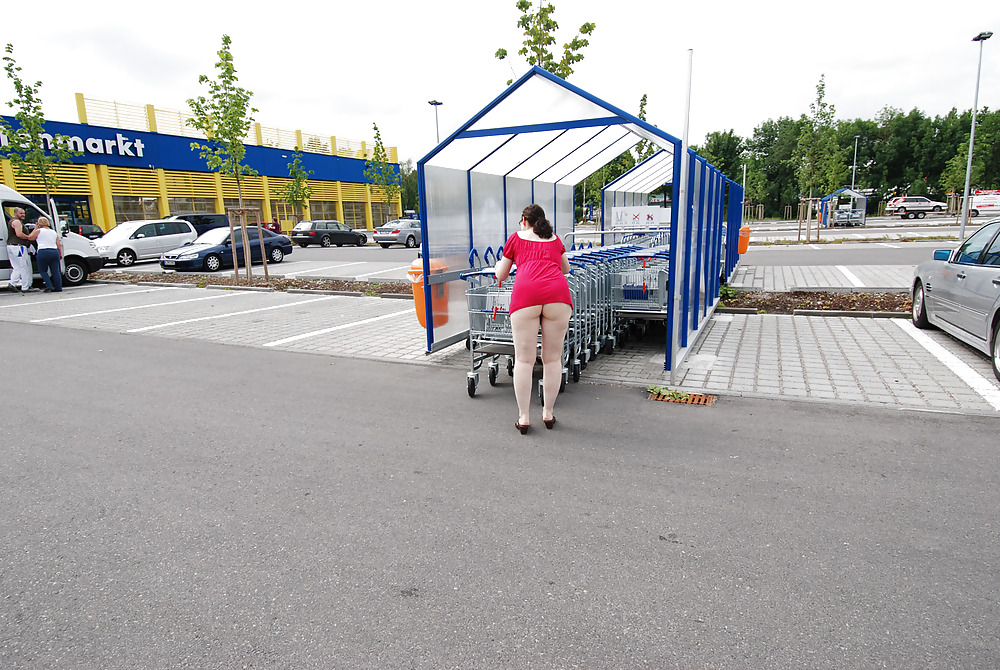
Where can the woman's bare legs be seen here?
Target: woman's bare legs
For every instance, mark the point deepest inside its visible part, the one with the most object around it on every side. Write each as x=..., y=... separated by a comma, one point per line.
x=555, y=322
x=524, y=328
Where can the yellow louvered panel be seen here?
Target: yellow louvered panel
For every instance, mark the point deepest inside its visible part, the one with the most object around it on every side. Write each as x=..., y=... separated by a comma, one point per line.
x=351, y=149
x=72, y=178
x=253, y=187
x=126, y=181
x=315, y=144
x=353, y=192
x=189, y=184
x=323, y=190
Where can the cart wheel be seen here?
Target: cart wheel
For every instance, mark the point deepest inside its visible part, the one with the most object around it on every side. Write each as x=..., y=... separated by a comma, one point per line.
x=510, y=366
x=472, y=387
x=609, y=345
x=562, y=381
x=541, y=393
x=493, y=375
x=576, y=371
x=583, y=361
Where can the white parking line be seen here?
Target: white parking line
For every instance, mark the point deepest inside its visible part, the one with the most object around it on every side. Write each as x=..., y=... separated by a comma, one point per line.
x=127, y=309
x=303, y=336
x=886, y=244
x=228, y=314
x=88, y=297
x=976, y=381
x=327, y=267
x=369, y=274
x=851, y=277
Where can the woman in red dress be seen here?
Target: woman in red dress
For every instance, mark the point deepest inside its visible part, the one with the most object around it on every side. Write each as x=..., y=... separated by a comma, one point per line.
x=540, y=298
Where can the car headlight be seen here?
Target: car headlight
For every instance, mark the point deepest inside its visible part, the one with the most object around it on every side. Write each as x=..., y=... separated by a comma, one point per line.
x=188, y=256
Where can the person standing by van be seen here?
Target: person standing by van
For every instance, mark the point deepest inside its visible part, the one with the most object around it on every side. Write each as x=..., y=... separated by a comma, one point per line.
x=49, y=253
x=17, y=252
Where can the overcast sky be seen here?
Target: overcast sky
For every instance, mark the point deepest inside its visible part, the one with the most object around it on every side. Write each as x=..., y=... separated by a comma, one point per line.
x=334, y=68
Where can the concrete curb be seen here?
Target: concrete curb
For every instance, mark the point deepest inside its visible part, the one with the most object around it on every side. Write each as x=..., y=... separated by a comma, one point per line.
x=224, y=287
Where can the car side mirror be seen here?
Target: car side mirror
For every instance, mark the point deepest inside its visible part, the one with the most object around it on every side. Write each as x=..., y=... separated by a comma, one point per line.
x=140, y=236
x=942, y=254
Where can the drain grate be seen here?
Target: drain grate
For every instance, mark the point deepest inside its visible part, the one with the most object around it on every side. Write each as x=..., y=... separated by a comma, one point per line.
x=691, y=399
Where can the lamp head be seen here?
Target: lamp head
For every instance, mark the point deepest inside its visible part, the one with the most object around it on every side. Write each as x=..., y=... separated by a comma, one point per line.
x=436, y=103
x=983, y=36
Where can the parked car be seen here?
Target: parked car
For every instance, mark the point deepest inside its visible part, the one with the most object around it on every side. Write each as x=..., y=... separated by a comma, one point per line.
x=326, y=233
x=959, y=292
x=202, y=222
x=88, y=230
x=137, y=240
x=214, y=250
x=400, y=231
x=914, y=206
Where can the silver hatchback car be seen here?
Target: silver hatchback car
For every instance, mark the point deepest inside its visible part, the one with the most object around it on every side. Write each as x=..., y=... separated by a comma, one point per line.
x=400, y=231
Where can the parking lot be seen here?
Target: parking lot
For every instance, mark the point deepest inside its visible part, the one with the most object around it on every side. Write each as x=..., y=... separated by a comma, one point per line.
x=839, y=359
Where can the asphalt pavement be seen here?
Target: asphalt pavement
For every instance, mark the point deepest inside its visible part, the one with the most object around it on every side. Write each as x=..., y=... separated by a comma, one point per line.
x=172, y=502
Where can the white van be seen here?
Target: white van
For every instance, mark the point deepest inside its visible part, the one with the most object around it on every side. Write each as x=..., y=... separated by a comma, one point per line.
x=133, y=241
x=80, y=255
x=984, y=202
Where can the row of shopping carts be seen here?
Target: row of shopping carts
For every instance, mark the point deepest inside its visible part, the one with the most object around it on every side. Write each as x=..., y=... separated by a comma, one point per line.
x=614, y=288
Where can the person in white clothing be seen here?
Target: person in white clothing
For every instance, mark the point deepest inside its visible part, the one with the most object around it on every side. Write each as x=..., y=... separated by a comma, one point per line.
x=49, y=253
x=17, y=254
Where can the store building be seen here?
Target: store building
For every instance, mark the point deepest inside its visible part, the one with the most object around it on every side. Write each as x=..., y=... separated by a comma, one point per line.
x=137, y=163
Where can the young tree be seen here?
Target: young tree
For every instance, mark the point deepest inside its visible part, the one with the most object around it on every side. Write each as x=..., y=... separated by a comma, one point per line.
x=225, y=116
x=644, y=149
x=410, y=188
x=538, y=27
x=30, y=149
x=297, y=190
x=819, y=161
x=379, y=171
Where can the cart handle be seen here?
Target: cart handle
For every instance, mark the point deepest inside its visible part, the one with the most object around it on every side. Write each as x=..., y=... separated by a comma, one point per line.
x=477, y=273
x=486, y=256
x=473, y=254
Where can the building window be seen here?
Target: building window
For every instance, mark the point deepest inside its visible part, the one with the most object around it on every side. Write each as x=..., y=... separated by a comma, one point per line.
x=382, y=212
x=192, y=205
x=133, y=208
x=323, y=210
x=354, y=214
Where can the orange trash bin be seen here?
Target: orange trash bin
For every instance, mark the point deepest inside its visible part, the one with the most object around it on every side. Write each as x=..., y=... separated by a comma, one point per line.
x=439, y=292
x=744, y=239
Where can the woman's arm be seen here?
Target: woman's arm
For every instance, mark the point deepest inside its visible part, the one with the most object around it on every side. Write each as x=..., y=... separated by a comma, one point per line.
x=564, y=264
x=33, y=235
x=502, y=268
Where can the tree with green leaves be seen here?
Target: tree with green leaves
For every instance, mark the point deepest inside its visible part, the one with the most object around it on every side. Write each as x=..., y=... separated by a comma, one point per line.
x=225, y=117
x=296, y=191
x=538, y=27
x=30, y=149
x=410, y=188
x=644, y=149
x=382, y=173
x=820, y=163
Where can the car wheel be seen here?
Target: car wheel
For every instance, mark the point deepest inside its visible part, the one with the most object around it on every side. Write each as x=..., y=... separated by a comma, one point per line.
x=277, y=255
x=384, y=246
x=212, y=263
x=920, y=307
x=75, y=273
x=411, y=242
x=974, y=212
x=996, y=350
x=302, y=244
x=325, y=241
x=921, y=215
x=937, y=208
x=125, y=258
x=902, y=212
x=362, y=241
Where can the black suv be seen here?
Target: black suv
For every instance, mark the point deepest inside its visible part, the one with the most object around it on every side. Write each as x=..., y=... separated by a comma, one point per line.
x=88, y=230
x=203, y=222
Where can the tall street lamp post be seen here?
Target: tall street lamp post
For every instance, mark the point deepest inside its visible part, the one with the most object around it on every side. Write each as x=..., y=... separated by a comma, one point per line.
x=854, y=168
x=981, y=37
x=436, y=104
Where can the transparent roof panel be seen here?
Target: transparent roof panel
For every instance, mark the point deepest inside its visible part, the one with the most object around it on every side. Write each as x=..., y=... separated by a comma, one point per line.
x=563, y=148
x=463, y=154
x=539, y=100
x=514, y=150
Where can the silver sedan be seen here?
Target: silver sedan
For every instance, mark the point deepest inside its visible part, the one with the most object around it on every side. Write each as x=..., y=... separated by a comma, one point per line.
x=400, y=231
x=959, y=292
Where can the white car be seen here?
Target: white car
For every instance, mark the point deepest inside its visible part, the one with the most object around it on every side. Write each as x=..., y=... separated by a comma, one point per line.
x=914, y=206
x=138, y=240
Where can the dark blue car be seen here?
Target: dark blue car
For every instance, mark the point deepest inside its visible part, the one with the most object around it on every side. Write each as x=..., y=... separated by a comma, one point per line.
x=214, y=250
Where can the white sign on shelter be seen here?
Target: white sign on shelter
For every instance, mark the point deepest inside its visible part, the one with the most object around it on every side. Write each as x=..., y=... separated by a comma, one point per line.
x=639, y=217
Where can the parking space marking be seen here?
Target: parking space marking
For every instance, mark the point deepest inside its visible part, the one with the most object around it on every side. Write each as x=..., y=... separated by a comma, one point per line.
x=976, y=381
x=851, y=277
x=88, y=297
x=127, y=309
x=342, y=326
x=886, y=244
x=326, y=267
x=369, y=274
x=228, y=314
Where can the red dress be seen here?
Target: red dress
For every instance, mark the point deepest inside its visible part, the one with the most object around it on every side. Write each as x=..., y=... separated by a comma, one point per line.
x=539, y=279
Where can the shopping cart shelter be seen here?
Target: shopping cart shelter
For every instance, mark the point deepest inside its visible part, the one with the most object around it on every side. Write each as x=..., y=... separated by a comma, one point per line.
x=533, y=144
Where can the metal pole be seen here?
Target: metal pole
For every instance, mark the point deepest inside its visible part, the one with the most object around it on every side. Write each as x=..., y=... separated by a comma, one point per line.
x=854, y=169
x=682, y=212
x=435, y=104
x=981, y=37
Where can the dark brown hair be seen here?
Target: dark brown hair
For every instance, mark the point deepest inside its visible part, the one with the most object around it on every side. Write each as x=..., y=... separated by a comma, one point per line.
x=535, y=216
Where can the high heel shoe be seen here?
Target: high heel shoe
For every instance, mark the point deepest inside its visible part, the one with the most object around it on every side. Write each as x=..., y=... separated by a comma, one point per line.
x=522, y=427
x=549, y=423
